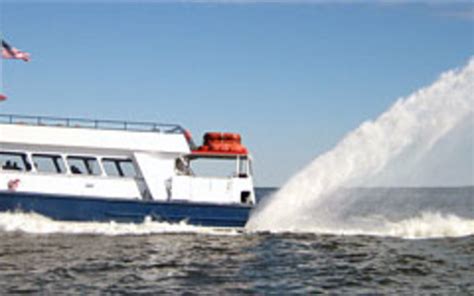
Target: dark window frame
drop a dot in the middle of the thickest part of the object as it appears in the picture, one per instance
(86, 163)
(56, 158)
(23, 157)
(117, 164)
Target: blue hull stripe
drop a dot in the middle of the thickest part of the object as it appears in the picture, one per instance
(73, 208)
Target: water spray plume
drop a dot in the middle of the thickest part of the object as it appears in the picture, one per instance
(413, 124)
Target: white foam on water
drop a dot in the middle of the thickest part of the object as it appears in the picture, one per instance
(423, 226)
(410, 128)
(429, 225)
(37, 224)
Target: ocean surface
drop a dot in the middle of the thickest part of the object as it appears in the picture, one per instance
(40, 256)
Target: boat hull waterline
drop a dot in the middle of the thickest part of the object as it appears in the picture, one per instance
(73, 208)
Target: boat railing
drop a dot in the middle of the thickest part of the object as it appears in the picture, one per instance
(91, 123)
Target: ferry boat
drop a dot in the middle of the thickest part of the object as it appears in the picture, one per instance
(99, 170)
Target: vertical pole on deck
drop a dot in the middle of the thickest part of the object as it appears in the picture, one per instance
(237, 166)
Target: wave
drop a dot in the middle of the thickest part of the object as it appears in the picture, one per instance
(33, 223)
(427, 225)
(430, 225)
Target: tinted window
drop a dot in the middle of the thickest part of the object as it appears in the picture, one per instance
(49, 163)
(110, 167)
(83, 165)
(128, 170)
(119, 167)
(14, 161)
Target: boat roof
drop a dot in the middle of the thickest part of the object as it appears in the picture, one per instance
(91, 123)
(79, 133)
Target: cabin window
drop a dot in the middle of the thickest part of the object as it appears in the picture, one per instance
(220, 167)
(119, 167)
(83, 165)
(14, 161)
(110, 168)
(214, 167)
(45, 163)
(128, 169)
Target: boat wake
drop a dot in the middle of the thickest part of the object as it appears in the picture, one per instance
(401, 145)
(426, 225)
(33, 223)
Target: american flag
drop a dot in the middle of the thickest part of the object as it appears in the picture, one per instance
(9, 52)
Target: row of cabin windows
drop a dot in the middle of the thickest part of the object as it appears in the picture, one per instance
(78, 165)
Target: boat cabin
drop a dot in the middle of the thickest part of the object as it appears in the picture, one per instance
(122, 160)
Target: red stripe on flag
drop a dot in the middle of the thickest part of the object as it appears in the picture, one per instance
(14, 53)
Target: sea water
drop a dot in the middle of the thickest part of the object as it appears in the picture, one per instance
(429, 252)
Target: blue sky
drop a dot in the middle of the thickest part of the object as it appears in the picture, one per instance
(292, 76)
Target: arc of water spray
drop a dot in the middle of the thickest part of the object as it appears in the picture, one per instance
(419, 120)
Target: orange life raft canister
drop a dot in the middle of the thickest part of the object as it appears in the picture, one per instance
(222, 143)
